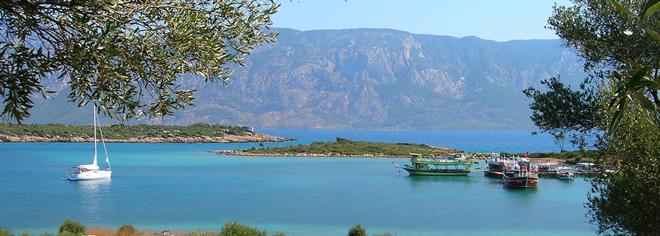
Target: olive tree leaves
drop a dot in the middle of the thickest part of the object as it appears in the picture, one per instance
(129, 57)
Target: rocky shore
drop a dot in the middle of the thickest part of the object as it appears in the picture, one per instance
(229, 138)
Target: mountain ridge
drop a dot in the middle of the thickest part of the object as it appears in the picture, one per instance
(373, 79)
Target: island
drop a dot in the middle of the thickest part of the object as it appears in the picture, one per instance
(195, 133)
(342, 147)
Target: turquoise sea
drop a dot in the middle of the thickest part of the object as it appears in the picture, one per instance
(185, 187)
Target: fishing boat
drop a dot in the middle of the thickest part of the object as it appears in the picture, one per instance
(92, 171)
(564, 173)
(520, 175)
(438, 166)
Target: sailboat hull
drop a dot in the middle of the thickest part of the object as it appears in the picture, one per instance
(91, 175)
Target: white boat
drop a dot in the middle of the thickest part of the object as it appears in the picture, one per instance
(564, 173)
(92, 171)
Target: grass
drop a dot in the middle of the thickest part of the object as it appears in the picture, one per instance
(123, 132)
(349, 147)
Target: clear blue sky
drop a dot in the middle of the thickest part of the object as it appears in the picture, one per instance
(499, 20)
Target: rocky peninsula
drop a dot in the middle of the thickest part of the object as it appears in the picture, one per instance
(196, 133)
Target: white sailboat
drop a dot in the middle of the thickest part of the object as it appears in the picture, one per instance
(92, 171)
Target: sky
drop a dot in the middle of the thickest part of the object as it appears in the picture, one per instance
(499, 20)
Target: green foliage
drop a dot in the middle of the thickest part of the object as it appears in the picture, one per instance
(622, 37)
(123, 132)
(350, 147)
(126, 230)
(236, 229)
(625, 201)
(561, 109)
(71, 227)
(5, 232)
(357, 230)
(126, 56)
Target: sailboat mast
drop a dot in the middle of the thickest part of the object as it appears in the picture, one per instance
(95, 143)
(105, 150)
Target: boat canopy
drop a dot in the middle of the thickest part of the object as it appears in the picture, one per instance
(442, 161)
(89, 166)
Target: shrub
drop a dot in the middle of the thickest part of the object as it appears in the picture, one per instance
(236, 229)
(279, 234)
(357, 230)
(126, 230)
(72, 227)
(5, 232)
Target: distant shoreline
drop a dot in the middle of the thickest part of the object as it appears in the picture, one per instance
(226, 139)
(196, 133)
(303, 155)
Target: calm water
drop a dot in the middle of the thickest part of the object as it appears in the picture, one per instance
(184, 187)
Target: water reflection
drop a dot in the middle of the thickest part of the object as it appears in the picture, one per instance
(422, 180)
(91, 198)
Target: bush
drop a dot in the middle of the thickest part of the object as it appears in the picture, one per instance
(279, 234)
(357, 230)
(236, 229)
(72, 227)
(5, 232)
(126, 230)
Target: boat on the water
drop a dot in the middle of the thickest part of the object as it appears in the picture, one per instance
(438, 166)
(520, 175)
(495, 165)
(547, 169)
(92, 171)
(564, 173)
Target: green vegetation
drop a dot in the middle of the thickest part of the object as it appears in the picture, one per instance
(126, 230)
(71, 227)
(619, 42)
(126, 56)
(123, 132)
(5, 232)
(357, 230)
(354, 148)
(236, 229)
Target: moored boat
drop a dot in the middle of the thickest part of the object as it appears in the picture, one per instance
(438, 167)
(92, 171)
(564, 173)
(520, 175)
(547, 169)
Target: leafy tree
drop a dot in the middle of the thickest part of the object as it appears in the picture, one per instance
(236, 229)
(626, 200)
(71, 227)
(126, 230)
(5, 232)
(560, 109)
(128, 57)
(620, 45)
(357, 230)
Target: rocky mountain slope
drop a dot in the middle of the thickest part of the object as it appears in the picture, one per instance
(370, 79)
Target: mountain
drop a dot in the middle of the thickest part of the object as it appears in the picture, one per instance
(370, 79)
